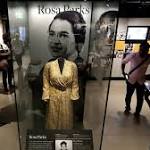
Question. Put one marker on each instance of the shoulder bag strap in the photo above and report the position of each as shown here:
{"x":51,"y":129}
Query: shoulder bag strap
{"x":138,"y":65}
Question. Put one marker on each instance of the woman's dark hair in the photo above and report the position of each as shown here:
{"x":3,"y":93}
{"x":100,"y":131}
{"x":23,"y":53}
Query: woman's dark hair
{"x":144,"y":48}
{"x":76,"y":20}
{"x":144,"y":45}
{"x":7,"y":39}
{"x":63,"y":143}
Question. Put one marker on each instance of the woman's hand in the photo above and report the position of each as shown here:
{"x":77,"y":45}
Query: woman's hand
{"x":3,"y":64}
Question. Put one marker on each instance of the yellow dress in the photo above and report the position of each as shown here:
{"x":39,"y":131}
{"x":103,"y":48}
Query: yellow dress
{"x":59,"y":88}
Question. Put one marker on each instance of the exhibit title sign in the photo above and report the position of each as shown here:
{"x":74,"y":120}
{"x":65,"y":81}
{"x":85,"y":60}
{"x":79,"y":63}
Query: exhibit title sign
{"x":43,"y":9}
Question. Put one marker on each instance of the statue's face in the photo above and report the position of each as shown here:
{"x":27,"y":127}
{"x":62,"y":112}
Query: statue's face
{"x":105,"y":31}
{"x":61,"y":38}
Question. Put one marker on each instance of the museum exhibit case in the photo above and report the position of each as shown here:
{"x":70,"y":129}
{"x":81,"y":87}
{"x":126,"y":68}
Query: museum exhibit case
{"x":62,"y":58}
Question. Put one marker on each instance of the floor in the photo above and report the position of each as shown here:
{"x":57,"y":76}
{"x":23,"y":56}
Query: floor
{"x":8,"y":132}
{"x":120,"y":131}
{"x":9,"y":135}
{"x":123,"y":132}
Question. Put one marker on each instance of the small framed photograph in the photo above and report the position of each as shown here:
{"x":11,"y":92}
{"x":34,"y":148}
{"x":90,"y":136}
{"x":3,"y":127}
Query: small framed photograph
{"x":63,"y":145}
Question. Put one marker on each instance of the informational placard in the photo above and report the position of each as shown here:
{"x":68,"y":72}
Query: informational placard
{"x":59,"y":140}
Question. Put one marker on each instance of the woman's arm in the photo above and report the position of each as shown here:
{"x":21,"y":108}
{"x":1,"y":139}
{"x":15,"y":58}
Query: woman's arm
{"x":75,"y":86}
{"x":46,"y":83}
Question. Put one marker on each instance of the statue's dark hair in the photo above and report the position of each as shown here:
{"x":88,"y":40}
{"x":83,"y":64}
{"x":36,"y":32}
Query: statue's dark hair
{"x":110,"y":14}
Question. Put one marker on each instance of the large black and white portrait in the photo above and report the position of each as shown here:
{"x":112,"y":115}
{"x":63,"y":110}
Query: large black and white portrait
{"x":77,"y":24}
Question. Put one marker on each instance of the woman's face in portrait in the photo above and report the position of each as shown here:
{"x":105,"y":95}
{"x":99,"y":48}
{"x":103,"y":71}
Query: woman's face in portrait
{"x":63,"y":147}
{"x":61,"y":38}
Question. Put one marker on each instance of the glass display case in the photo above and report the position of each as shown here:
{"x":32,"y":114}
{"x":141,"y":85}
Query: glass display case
{"x":62,"y":59}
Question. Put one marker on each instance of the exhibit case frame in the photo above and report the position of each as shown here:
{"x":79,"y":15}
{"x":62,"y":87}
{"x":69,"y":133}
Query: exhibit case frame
{"x":62,"y":60}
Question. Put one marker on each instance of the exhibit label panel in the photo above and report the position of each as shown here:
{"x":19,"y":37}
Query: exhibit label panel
{"x":57,"y":139}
